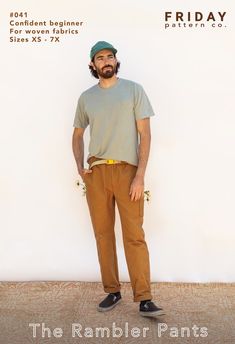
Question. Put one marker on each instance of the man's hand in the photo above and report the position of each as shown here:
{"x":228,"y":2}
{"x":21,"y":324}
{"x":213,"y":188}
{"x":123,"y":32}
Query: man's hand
{"x":84,"y":171}
{"x":137,"y":188}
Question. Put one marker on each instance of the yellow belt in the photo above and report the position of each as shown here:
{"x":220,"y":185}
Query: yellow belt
{"x":106,"y":161}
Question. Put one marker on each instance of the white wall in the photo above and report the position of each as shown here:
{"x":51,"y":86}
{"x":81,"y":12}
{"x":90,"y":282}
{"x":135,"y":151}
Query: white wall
{"x":46,"y":232}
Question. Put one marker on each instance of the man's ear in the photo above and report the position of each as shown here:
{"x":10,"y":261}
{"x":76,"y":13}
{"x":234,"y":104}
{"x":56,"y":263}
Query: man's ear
{"x":92,"y":65}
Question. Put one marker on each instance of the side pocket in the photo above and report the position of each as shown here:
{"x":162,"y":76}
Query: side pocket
{"x":87,"y":177}
{"x":141,"y":206}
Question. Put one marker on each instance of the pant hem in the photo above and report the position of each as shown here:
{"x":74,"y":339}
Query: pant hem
{"x":113,"y":290}
{"x":142,"y":298}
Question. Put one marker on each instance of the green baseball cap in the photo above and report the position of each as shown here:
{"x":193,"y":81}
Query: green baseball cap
{"x":100,"y":46}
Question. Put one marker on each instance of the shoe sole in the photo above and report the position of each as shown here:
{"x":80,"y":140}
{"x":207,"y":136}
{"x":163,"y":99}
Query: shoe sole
{"x":102,"y":309}
{"x":152,"y":314}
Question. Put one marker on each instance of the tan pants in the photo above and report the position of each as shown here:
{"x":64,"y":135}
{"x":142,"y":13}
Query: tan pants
{"x":105,"y":185}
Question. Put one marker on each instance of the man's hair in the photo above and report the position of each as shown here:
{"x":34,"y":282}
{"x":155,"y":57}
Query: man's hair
{"x":94,"y":72}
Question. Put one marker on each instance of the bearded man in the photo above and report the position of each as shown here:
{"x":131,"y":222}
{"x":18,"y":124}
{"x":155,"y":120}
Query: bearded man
{"x":118,"y":113}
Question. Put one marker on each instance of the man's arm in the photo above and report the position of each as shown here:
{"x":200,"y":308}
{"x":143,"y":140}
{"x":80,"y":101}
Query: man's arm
{"x":137,"y":185}
{"x":78,"y":150}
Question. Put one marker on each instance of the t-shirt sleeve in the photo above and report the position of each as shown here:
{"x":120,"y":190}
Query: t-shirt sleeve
{"x":81,"y":119}
{"x":142,"y":106}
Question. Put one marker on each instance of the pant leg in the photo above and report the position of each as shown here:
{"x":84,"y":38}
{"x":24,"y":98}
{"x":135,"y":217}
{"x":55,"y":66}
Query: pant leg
{"x":101,"y":205}
{"x":131,"y":215}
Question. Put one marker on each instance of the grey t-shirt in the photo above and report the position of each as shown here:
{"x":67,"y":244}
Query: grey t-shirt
{"x":112,"y":113}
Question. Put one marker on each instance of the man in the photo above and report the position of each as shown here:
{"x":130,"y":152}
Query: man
{"x":117,"y":111}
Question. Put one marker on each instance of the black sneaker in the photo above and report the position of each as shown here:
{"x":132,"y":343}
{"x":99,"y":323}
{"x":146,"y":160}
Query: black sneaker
{"x":109,"y":302}
{"x":149,"y":309}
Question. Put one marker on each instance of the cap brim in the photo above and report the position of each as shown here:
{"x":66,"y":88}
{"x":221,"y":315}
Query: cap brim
{"x":104,"y":48}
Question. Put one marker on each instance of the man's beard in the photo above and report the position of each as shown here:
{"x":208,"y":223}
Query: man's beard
{"x":106,"y":73}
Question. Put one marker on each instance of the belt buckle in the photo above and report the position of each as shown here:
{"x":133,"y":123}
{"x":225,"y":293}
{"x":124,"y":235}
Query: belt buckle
{"x":110,"y":161}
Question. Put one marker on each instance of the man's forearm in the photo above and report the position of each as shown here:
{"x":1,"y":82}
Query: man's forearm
{"x":78,"y":151}
{"x":144,"y":149}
